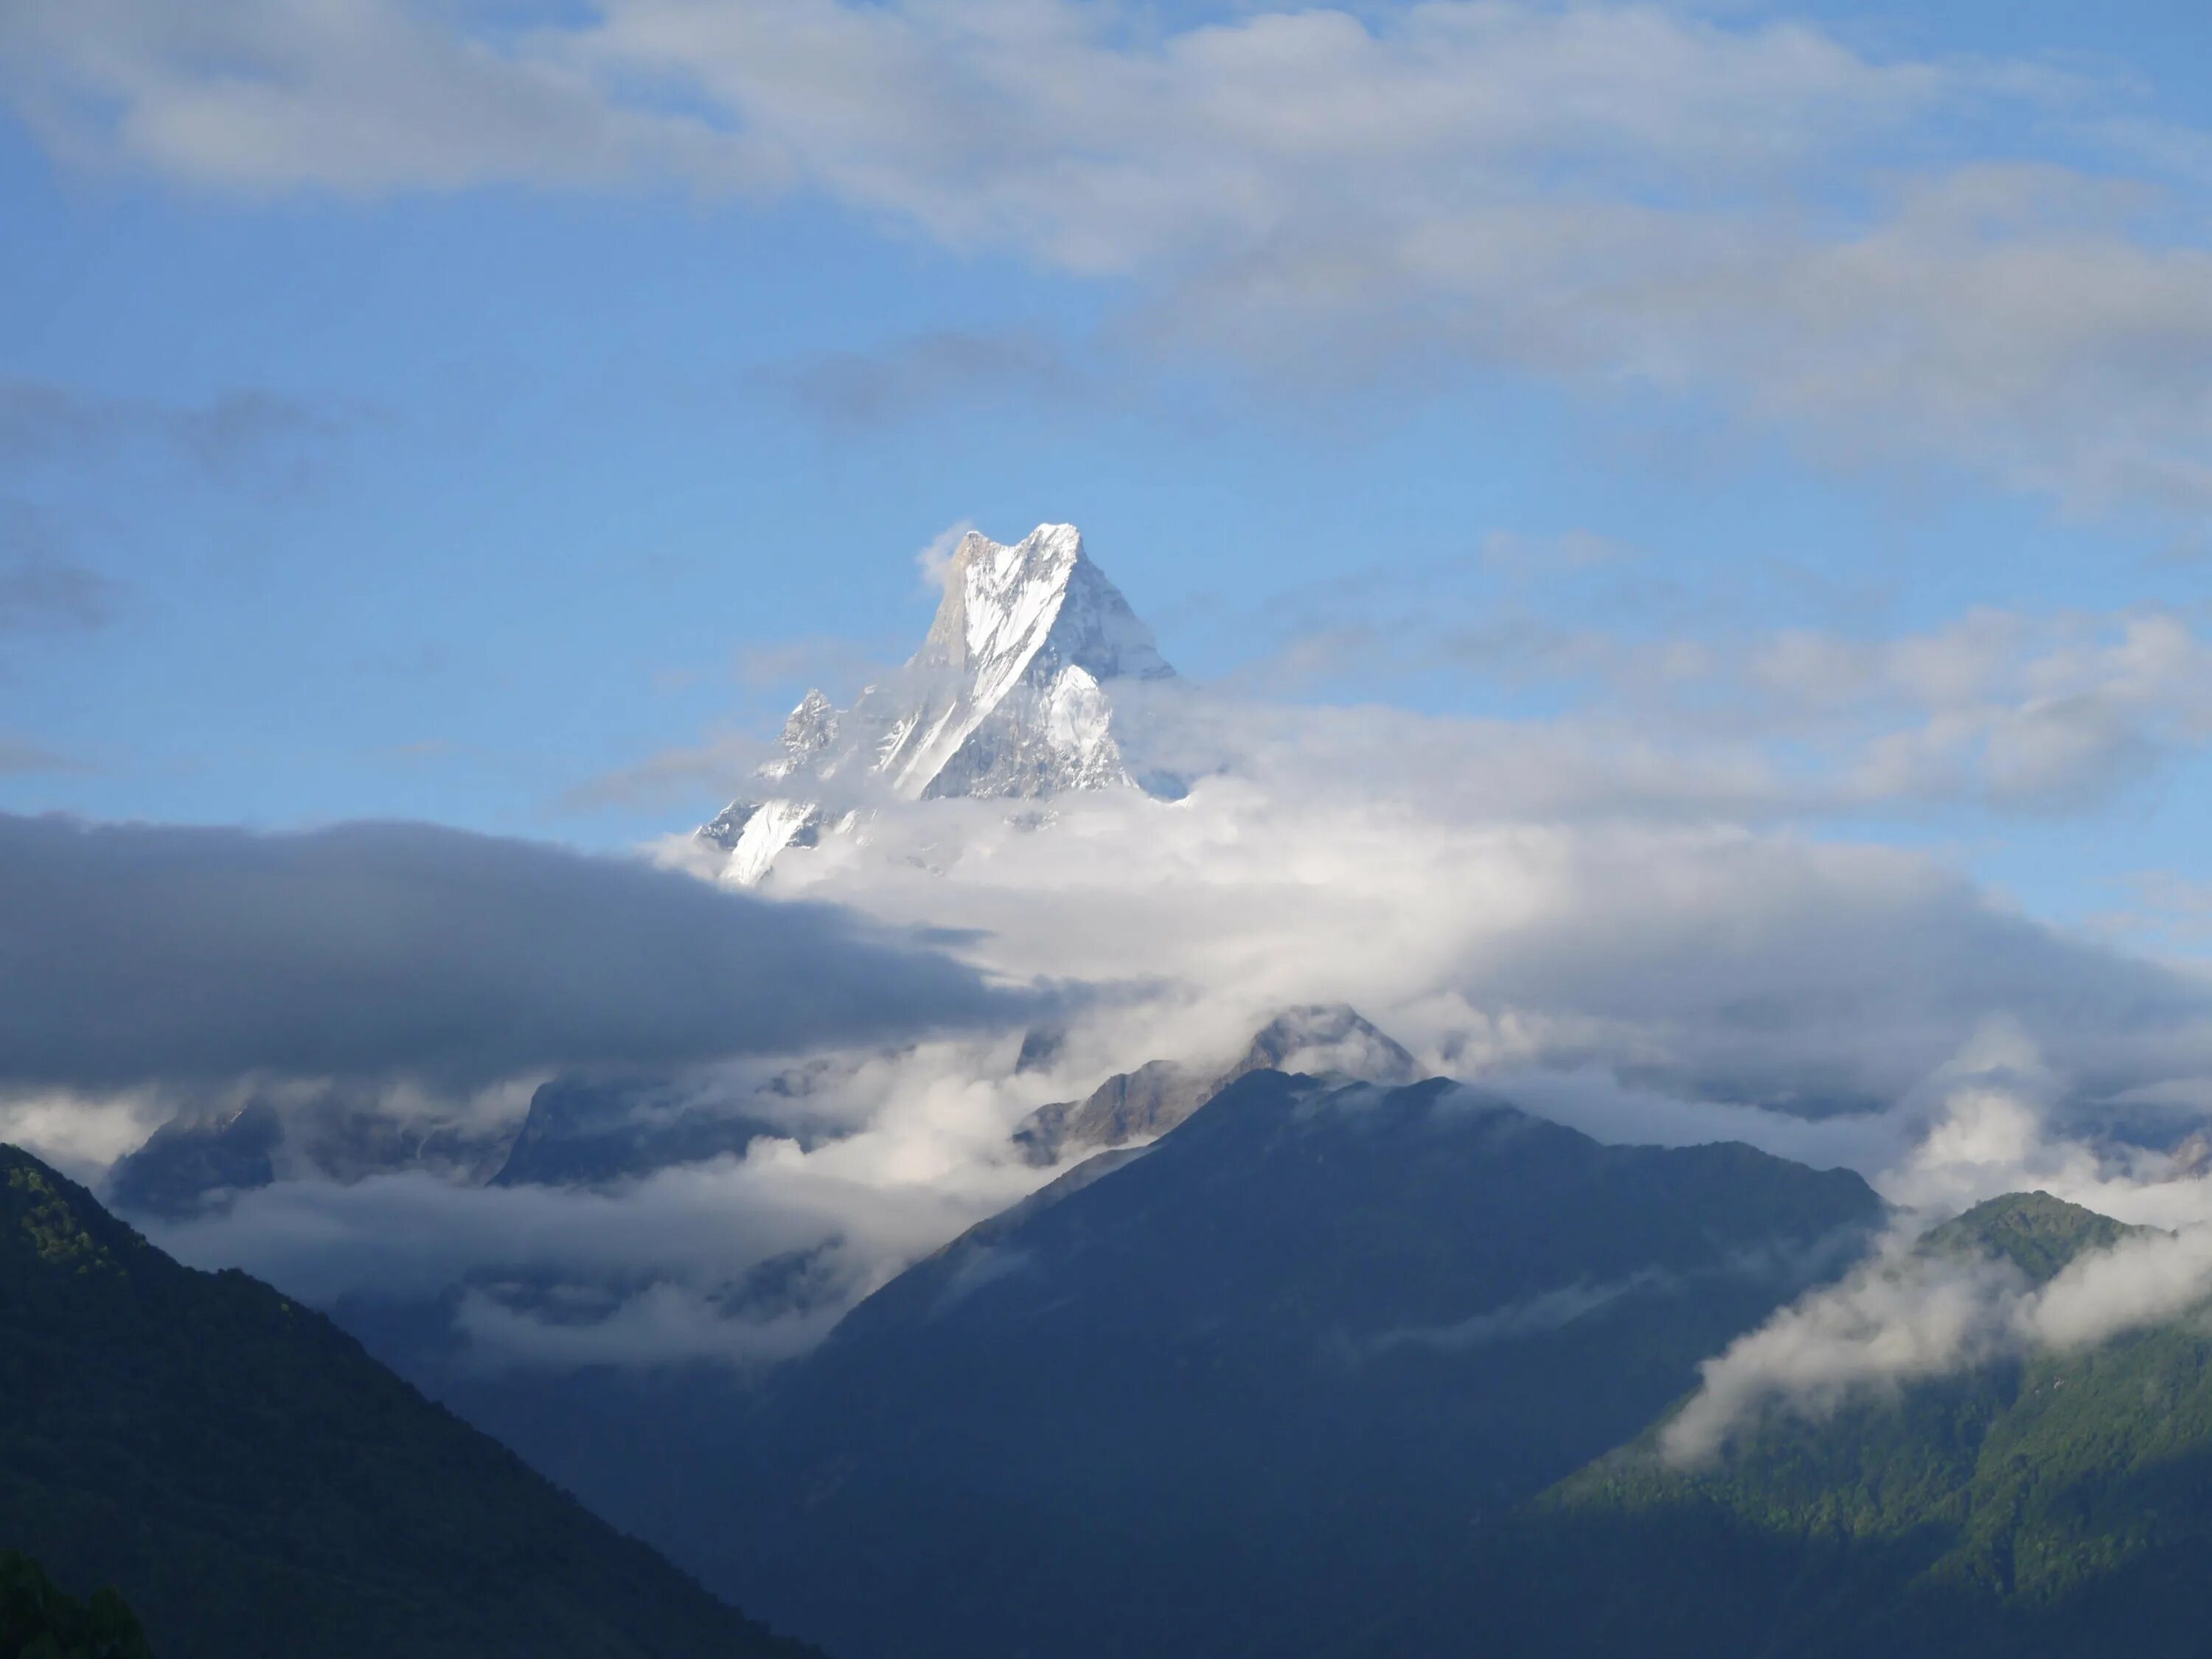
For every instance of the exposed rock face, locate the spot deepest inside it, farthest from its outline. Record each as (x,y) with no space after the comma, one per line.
(185,1161)
(1324,1039)
(337,1134)
(587,1131)
(1009,697)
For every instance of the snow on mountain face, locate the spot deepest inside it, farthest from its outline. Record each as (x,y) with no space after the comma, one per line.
(1007,697)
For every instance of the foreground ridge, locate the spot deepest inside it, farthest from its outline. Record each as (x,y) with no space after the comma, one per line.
(252,1482)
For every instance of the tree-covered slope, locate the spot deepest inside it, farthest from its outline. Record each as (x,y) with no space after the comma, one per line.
(1220,1397)
(2052,1505)
(254,1483)
(2032,1231)
(39,1621)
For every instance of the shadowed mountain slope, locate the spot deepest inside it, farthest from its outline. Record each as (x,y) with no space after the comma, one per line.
(254,1483)
(1227,1394)
(39,1621)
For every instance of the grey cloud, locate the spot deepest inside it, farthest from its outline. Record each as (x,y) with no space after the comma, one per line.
(19,756)
(913,377)
(42,421)
(687,1262)
(1508,904)
(42,590)
(813,660)
(1563,1305)
(665,1323)
(358,95)
(42,594)
(2005,710)
(135,953)
(1547,1311)
(1649,982)
(1760,971)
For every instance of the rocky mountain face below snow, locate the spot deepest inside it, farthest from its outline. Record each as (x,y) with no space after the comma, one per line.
(1326,1040)
(339,1135)
(1010,697)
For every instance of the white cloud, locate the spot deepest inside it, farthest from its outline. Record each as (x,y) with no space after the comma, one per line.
(1906,1318)
(1885,1326)
(934,560)
(663,1324)
(654,1270)
(360,96)
(1456,891)
(2003,709)
(80,1135)
(1621,196)
(1645,980)
(1991,1127)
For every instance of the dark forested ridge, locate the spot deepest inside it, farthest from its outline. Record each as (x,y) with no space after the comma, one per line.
(2045,1507)
(255,1483)
(40,1621)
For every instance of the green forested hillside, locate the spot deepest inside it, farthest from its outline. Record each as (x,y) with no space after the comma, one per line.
(2059,1506)
(39,1621)
(254,1483)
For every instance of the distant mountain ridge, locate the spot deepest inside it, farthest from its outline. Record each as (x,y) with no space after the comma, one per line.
(591,1128)
(263,1141)
(1009,697)
(1327,1039)
(587,1131)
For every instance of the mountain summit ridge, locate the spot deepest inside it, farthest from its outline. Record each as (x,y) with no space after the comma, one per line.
(1006,698)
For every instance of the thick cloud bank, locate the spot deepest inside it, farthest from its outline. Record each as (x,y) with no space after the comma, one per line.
(1707,963)
(1644,969)
(136,953)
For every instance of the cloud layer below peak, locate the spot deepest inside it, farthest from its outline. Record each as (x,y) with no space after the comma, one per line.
(138,953)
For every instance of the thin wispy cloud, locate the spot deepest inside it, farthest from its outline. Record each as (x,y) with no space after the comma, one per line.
(42,421)
(40,592)
(936,374)
(19,757)
(672,777)
(1745,210)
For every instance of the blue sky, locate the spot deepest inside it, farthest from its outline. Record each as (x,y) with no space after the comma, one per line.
(439,411)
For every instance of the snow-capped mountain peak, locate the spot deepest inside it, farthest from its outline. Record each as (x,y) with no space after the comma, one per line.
(1004,604)
(1007,697)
